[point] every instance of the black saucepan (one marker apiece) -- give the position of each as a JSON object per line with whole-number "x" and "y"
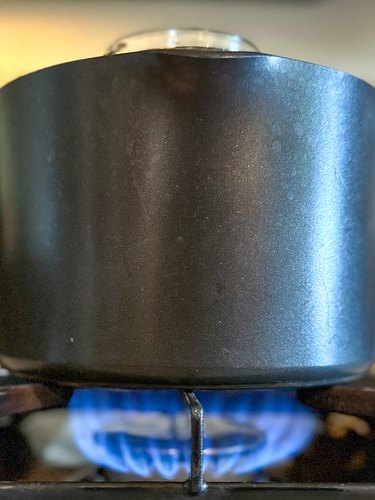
{"x": 187, "y": 218}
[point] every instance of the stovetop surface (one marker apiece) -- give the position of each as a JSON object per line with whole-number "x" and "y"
{"x": 164, "y": 491}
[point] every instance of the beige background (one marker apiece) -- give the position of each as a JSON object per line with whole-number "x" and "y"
{"x": 337, "y": 33}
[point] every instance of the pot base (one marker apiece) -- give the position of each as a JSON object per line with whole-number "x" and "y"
{"x": 180, "y": 378}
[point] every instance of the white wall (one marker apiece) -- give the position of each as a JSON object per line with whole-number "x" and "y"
{"x": 337, "y": 33}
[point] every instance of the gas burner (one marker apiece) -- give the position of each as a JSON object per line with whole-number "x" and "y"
{"x": 22, "y": 397}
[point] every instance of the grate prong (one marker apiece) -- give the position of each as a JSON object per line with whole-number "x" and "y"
{"x": 196, "y": 483}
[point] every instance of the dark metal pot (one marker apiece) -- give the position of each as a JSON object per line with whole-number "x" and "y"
{"x": 187, "y": 218}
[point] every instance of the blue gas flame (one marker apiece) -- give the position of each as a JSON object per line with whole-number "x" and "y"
{"x": 147, "y": 432}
